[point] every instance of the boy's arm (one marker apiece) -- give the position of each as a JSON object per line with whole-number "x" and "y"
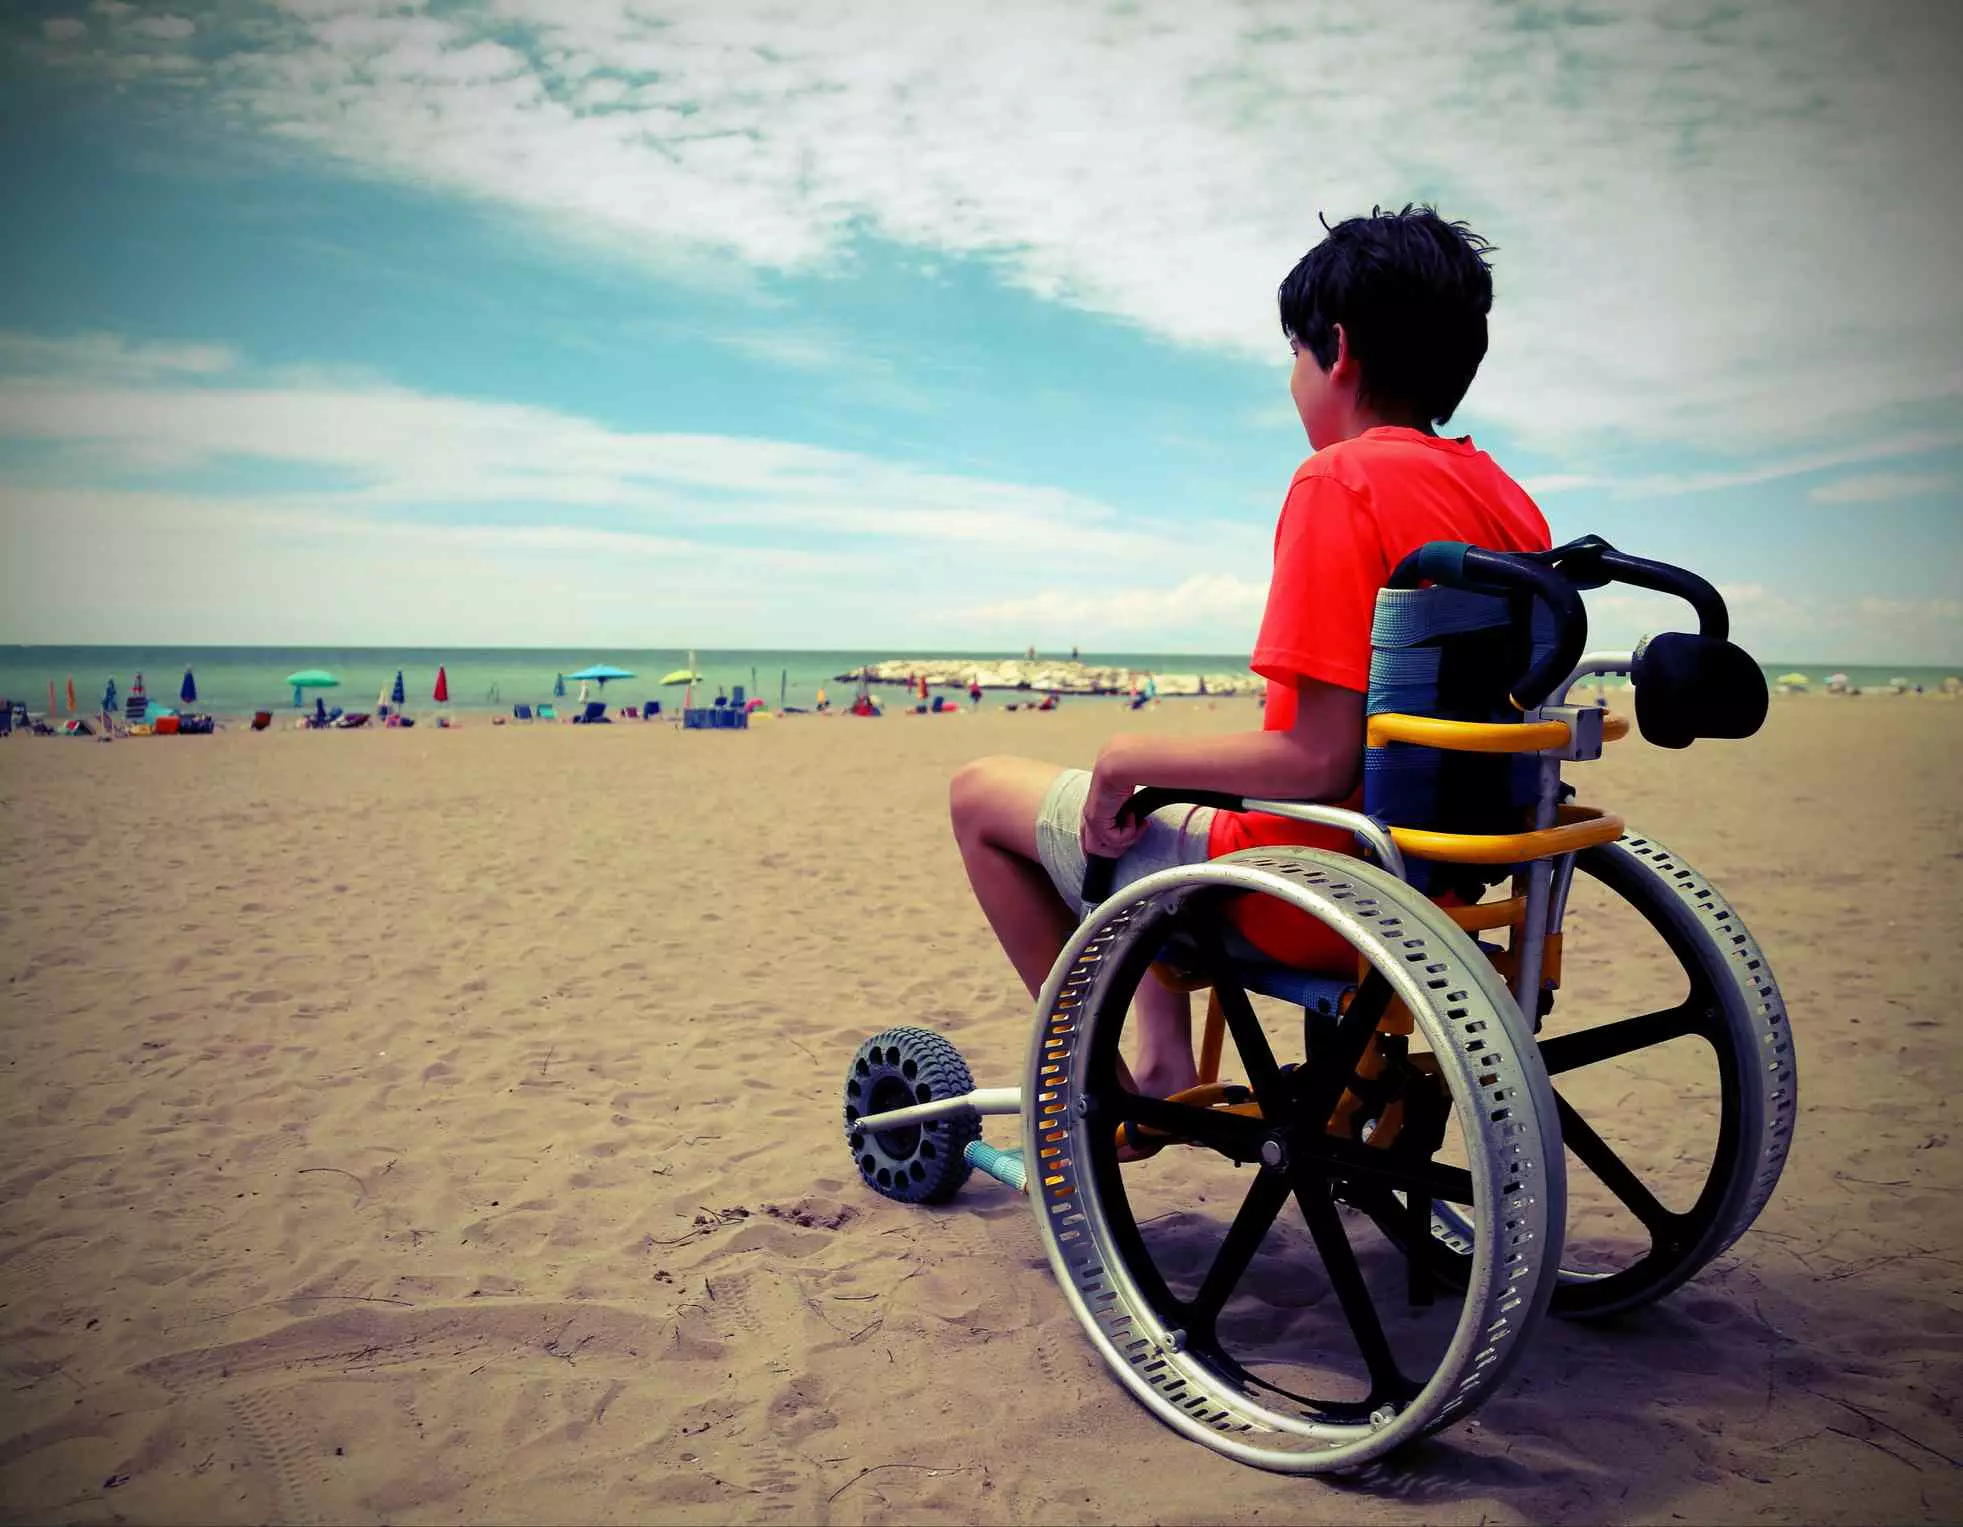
{"x": 1318, "y": 759}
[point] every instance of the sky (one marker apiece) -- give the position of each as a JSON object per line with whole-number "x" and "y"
{"x": 791, "y": 324}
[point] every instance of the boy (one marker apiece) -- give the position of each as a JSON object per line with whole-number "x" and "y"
{"x": 1386, "y": 318}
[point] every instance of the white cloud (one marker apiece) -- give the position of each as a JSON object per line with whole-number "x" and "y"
{"x": 1211, "y": 602}
{"x": 1881, "y": 487}
{"x": 107, "y": 357}
{"x": 730, "y": 539}
{"x": 1917, "y": 610}
{"x": 63, "y": 28}
{"x": 1718, "y": 226}
{"x": 164, "y": 28}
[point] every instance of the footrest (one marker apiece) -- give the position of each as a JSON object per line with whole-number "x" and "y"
{"x": 1003, "y": 1166}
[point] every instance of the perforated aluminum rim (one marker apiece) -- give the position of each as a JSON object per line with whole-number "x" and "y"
{"x": 1756, "y": 1062}
{"x": 1500, "y": 1100}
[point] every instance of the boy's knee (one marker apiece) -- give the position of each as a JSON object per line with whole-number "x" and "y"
{"x": 968, "y": 793}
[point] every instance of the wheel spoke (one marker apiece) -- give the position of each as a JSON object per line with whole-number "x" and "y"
{"x": 1600, "y": 1158}
{"x": 1387, "y": 1381}
{"x": 1605, "y": 1041}
{"x": 1244, "y": 1236}
{"x": 1232, "y": 1134}
{"x": 1263, "y": 1075}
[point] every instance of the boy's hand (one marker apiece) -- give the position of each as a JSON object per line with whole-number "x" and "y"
{"x": 1102, "y": 833}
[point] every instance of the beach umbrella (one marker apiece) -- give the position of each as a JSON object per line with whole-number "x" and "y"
{"x": 109, "y": 696}
{"x": 558, "y": 686}
{"x": 188, "y": 692}
{"x": 398, "y": 694}
{"x": 599, "y": 673}
{"x": 1792, "y": 678}
{"x": 311, "y": 678}
{"x": 71, "y": 694}
{"x": 442, "y": 695}
{"x": 682, "y": 676}
{"x": 52, "y": 707}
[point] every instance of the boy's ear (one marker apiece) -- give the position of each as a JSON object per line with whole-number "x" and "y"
{"x": 1343, "y": 368}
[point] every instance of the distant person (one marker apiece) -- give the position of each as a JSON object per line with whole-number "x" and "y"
{"x": 975, "y": 693}
{"x": 823, "y": 703}
{"x": 1073, "y": 652}
{"x": 1386, "y": 319}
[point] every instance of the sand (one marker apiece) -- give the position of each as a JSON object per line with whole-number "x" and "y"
{"x": 444, "y": 1126}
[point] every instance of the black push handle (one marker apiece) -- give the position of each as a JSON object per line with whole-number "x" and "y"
{"x": 1098, "y": 870}
{"x": 1455, "y": 564}
{"x": 1595, "y": 556}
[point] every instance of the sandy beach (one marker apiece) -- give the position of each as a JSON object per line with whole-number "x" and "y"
{"x": 444, "y": 1126}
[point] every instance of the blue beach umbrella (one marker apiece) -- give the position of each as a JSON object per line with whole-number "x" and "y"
{"x": 600, "y": 673}
{"x": 187, "y": 692}
{"x": 398, "y": 694}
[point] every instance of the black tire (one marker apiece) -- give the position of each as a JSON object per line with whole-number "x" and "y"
{"x": 922, "y": 1164}
{"x": 1732, "y": 1004}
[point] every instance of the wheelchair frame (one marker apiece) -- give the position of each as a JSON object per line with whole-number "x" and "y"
{"x": 1488, "y": 1062}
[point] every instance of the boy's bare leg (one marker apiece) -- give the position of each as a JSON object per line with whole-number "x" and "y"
{"x": 1165, "y": 1040}
{"x": 993, "y": 803}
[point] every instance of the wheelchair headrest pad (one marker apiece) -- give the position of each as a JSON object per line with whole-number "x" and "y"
{"x": 1695, "y": 686}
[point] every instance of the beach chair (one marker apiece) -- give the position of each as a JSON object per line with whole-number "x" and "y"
{"x": 594, "y": 712}
{"x": 1416, "y": 1115}
{"x": 548, "y": 713}
{"x": 6, "y": 718}
{"x": 521, "y": 712}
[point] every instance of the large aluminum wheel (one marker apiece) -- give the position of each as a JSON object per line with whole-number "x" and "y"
{"x": 1672, "y": 1064}
{"x": 1220, "y": 1279}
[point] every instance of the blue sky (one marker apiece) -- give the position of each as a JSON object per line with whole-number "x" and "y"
{"x": 578, "y": 322}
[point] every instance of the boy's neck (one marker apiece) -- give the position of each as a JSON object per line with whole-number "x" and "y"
{"x": 1366, "y": 419}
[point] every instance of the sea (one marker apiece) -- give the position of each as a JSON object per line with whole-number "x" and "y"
{"x": 233, "y": 682}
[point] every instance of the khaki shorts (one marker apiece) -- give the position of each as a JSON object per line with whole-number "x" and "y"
{"x": 1173, "y": 835}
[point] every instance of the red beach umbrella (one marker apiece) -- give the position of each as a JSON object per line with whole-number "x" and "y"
{"x": 442, "y": 695}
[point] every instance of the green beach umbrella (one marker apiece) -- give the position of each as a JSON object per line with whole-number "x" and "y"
{"x": 311, "y": 678}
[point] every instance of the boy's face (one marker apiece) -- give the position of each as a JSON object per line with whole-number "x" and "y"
{"x": 1320, "y": 395}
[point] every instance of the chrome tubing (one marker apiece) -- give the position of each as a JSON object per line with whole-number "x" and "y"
{"x": 983, "y": 1100}
{"x": 1591, "y": 664}
{"x": 1374, "y": 835}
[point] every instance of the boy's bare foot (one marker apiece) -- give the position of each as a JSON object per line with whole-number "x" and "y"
{"x": 1159, "y": 1080}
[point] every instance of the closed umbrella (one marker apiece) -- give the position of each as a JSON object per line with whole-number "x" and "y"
{"x": 442, "y": 695}
{"x": 558, "y": 686}
{"x": 52, "y": 707}
{"x": 71, "y": 694}
{"x": 188, "y": 691}
{"x": 397, "y": 695}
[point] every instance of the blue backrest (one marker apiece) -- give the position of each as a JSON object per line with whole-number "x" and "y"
{"x": 1451, "y": 654}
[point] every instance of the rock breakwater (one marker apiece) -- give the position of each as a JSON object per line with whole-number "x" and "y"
{"x": 1045, "y": 674}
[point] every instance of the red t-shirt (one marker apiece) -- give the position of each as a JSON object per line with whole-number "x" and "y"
{"x": 1353, "y": 512}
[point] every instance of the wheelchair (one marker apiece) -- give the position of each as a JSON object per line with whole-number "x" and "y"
{"x": 1437, "y": 1118}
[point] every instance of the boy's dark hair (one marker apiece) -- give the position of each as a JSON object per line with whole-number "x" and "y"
{"x": 1412, "y": 292}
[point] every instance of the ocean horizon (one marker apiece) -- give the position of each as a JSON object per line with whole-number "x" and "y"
{"x": 236, "y": 681}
